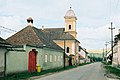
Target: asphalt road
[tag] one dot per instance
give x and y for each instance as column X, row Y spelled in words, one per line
column 88, row 72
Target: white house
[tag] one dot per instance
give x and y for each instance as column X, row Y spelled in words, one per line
column 116, row 51
column 3, row 51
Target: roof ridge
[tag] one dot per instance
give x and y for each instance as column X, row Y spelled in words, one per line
column 53, row 28
column 17, row 32
column 24, row 36
column 36, row 34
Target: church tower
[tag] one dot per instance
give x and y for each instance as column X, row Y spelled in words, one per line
column 70, row 22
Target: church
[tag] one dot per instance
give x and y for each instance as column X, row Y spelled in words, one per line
column 66, row 37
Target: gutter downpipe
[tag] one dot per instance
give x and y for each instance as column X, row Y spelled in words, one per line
column 5, row 63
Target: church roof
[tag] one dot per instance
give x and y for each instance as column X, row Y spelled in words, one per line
column 32, row 36
column 58, row 34
column 70, row 14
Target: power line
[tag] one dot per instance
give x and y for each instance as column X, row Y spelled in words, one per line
column 8, row 29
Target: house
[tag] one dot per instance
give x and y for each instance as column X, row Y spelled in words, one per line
column 82, row 59
column 66, row 37
column 32, row 48
column 83, row 55
column 116, row 51
column 3, row 51
column 47, row 48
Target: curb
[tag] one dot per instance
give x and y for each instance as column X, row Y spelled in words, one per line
column 36, row 77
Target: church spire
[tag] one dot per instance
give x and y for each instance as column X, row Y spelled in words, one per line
column 70, row 22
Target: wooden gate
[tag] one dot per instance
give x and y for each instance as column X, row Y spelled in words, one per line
column 32, row 61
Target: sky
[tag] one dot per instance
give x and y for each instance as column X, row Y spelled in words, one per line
column 94, row 17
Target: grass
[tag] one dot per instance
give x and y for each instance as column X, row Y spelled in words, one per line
column 106, row 63
column 113, row 70
column 110, row 69
column 25, row 75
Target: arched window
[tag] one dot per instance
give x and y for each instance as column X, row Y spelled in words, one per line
column 68, row 50
column 70, row 27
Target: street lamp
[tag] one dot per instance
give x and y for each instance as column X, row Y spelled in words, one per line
column 111, row 28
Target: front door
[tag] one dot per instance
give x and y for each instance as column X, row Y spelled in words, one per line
column 32, row 61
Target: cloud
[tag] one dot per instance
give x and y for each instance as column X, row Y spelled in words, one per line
column 11, row 22
column 41, row 9
column 2, row 3
column 92, row 16
column 93, row 38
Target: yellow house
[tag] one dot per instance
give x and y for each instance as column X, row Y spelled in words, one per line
column 66, row 37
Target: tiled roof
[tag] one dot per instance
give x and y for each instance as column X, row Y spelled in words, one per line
column 58, row 34
column 46, row 39
column 80, row 56
column 32, row 36
column 3, row 43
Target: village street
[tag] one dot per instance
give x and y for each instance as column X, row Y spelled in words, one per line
column 88, row 72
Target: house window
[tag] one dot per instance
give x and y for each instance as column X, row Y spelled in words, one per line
column 70, row 26
column 45, row 58
column 68, row 49
column 61, row 57
column 55, row 57
column 58, row 58
column 50, row 58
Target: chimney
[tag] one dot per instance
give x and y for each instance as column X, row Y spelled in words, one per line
column 30, row 21
column 42, row 27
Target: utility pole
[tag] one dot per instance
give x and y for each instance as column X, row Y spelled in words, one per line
column 64, row 54
column 111, row 28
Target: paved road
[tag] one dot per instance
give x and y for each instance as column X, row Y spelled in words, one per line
column 88, row 72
